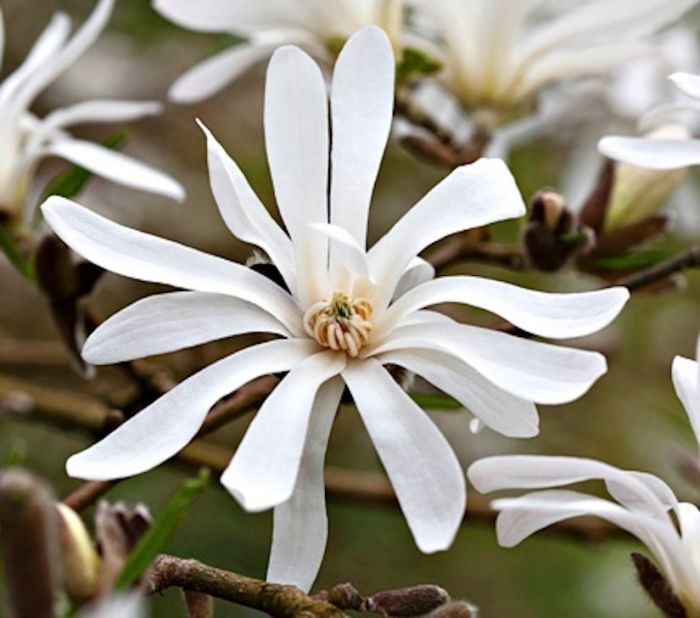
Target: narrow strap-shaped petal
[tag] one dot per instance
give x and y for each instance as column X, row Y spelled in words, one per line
column 655, row 154
column 264, row 469
column 686, row 381
column 297, row 142
column 116, row 166
column 166, row 426
column 131, row 253
column 497, row 409
column 558, row 316
column 350, row 254
column 243, row 212
column 471, row 196
column 173, row 321
column 687, row 83
column 635, row 490
column 523, row 516
column 300, row 525
column 421, row 465
column 418, row 271
column 215, row 15
column 362, row 100
column 531, row 370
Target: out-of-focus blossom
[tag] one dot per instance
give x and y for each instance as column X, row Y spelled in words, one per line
column 341, row 313
column 644, row 505
column 319, row 26
column 25, row 139
column 497, row 55
column 118, row 606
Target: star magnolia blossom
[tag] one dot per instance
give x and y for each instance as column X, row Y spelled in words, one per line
column 660, row 154
column 25, row 139
column 348, row 312
column 316, row 25
column 645, row 506
column 498, row 54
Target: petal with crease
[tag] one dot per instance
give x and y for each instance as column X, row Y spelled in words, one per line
column 174, row 321
column 421, row 465
column 300, row 527
column 264, row 469
column 550, row 315
column 131, row 253
column 418, row 271
column 166, row 426
column 655, row 154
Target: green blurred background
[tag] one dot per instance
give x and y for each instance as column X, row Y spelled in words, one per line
column 631, row 418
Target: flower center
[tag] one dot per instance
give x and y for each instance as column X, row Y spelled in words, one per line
column 341, row 323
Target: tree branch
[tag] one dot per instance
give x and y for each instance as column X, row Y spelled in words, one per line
column 636, row 281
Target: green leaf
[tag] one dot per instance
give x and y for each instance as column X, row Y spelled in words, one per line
column 415, row 62
column 71, row 182
column 634, row 260
column 436, row 402
column 22, row 264
column 162, row 529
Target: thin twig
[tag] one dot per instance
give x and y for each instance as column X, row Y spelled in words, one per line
column 274, row 599
column 636, row 281
column 88, row 493
column 460, row 248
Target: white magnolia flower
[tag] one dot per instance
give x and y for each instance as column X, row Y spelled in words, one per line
column 346, row 313
column 660, row 154
column 25, row 139
column 644, row 505
column 498, row 54
column 317, row 25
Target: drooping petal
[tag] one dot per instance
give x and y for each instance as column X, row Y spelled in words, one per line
column 418, row 271
column 686, row 381
column 344, row 246
column 499, row 410
column 162, row 429
column 243, row 212
column 636, row 491
column 530, row 370
column 297, row 152
column 131, row 253
column 471, row 196
column 174, row 321
column 687, row 83
column 116, row 166
column 558, row 316
column 300, row 527
column 264, row 469
column 362, row 101
column 421, row 465
column 655, row 154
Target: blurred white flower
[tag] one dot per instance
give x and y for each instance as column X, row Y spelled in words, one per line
column 342, row 314
column 25, row 139
column 499, row 54
column 121, row 606
column 319, row 26
column 644, row 505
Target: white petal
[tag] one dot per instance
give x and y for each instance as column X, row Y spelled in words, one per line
column 687, row 83
column 531, row 370
column 421, row 465
column 162, row 429
column 346, row 249
column 471, row 196
column 116, row 166
column 100, row 111
column 243, row 212
column 689, row 521
column 558, row 316
column 687, row 384
column 653, row 154
column 499, row 410
column 167, row 322
column 297, row 152
column 418, row 271
column 213, row 74
column 300, row 526
column 204, row 15
column 264, row 469
column 362, row 101
column 636, row 491
column 131, row 253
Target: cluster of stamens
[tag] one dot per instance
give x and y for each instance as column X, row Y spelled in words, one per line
column 340, row 324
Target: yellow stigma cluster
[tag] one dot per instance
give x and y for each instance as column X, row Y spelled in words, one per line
column 341, row 323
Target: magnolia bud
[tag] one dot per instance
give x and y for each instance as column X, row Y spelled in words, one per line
column 81, row 564
column 638, row 193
